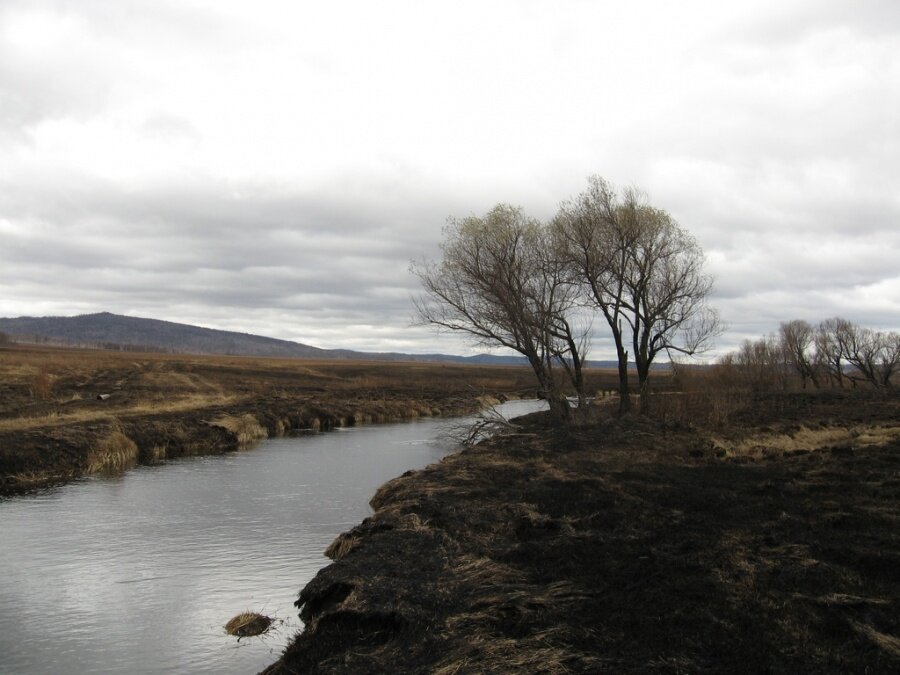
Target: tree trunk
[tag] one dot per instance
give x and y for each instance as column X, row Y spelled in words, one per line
column 622, row 355
column 559, row 406
column 624, row 390
column 643, row 390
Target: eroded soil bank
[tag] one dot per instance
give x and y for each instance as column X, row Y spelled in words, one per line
column 627, row 546
column 67, row 412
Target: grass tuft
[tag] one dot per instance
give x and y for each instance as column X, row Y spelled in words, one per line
column 113, row 454
column 248, row 624
column 246, row 428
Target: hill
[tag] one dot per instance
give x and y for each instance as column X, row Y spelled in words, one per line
column 112, row 331
column 128, row 333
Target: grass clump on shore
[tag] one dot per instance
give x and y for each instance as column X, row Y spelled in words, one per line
column 116, row 452
column 246, row 428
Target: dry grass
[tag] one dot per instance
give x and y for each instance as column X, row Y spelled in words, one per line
column 344, row 543
column 248, row 624
column 889, row 643
column 115, row 453
column 139, row 408
column 246, row 428
column 804, row 439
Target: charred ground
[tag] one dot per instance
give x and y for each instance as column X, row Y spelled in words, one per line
column 629, row 546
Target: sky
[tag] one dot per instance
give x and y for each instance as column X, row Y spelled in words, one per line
column 273, row 167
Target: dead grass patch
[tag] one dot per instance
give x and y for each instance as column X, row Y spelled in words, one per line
column 808, row 440
column 889, row 643
column 344, row 544
column 248, row 624
column 58, row 418
column 115, row 453
column 245, row 428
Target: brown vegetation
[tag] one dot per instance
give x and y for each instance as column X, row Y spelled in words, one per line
column 248, row 624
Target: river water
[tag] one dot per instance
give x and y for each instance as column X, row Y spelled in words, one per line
column 139, row 573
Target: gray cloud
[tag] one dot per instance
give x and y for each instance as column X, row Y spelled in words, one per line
column 275, row 173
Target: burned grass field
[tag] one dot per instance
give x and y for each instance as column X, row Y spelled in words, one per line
column 68, row 412
column 629, row 545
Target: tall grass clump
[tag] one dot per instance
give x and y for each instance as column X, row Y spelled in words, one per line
column 245, row 428
column 116, row 452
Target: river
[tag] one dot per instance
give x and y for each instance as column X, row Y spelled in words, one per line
column 138, row 573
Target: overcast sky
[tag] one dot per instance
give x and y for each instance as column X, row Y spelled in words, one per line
column 272, row 167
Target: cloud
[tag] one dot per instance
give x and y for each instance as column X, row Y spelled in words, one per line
column 273, row 167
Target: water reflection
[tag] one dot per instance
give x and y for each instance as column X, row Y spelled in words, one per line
column 139, row 573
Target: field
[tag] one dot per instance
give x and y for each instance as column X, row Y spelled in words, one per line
column 67, row 412
column 725, row 532
column 630, row 546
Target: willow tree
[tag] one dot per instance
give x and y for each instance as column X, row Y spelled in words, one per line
column 499, row 283
column 594, row 233
column 875, row 355
column 797, row 339
column 643, row 272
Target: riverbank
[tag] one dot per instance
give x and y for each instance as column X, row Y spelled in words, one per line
column 65, row 413
column 628, row 546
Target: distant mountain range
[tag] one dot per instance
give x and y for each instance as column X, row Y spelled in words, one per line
column 113, row 331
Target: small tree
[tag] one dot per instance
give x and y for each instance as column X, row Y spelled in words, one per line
column 499, row 282
column 762, row 364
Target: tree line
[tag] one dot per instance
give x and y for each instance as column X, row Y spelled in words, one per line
column 538, row 288
column 833, row 353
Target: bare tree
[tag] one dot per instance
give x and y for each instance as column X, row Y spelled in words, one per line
column 668, row 293
column 499, row 283
column 643, row 272
column 830, row 351
column 889, row 357
column 594, row 234
column 761, row 364
column 874, row 354
column 797, row 339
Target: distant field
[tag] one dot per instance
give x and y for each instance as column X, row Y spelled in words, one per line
column 39, row 381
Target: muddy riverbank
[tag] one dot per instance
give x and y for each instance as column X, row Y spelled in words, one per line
column 628, row 546
column 67, row 412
